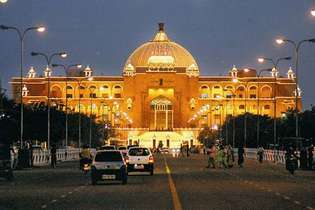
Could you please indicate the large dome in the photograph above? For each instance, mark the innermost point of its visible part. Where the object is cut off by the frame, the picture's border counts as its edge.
(161, 54)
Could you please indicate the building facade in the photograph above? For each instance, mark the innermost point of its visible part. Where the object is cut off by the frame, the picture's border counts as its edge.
(160, 96)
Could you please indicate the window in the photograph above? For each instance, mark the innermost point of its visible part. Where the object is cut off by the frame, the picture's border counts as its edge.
(105, 95)
(204, 95)
(267, 107)
(69, 95)
(139, 152)
(241, 107)
(117, 95)
(252, 96)
(240, 95)
(161, 82)
(216, 87)
(92, 95)
(108, 156)
(81, 96)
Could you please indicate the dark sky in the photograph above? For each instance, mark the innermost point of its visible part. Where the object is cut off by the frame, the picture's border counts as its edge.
(218, 33)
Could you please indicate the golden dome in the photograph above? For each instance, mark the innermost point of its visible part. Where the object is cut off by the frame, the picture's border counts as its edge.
(161, 54)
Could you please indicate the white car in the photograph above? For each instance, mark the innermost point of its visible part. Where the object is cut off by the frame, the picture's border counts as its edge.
(140, 159)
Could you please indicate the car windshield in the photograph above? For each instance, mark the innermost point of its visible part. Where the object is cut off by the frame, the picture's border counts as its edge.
(108, 147)
(108, 156)
(139, 152)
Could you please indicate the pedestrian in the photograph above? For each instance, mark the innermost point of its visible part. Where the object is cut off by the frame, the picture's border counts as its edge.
(212, 155)
(260, 154)
(221, 157)
(240, 153)
(310, 156)
(187, 150)
(53, 156)
(230, 156)
(303, 158)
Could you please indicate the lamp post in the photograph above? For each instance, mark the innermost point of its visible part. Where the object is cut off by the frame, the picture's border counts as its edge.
(91, 94)
(21, 35)
(296, 55)
(66, 69)
(233, 104)
(258, 109)
(48, 59)
(275, 67)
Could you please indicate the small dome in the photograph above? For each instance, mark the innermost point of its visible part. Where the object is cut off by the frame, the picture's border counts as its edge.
(161, 53)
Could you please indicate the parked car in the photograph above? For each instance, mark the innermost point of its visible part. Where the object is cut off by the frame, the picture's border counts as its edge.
(123, 150)
(108, 165)
(108, 147)
(140, 159)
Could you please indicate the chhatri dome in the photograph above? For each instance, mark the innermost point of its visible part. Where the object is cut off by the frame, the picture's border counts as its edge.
(162, 55)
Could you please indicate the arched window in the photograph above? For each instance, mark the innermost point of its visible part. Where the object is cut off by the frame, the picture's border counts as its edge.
(216, 91)
(204, 91)
(252, 92)
(240, 92)
(105, 91)
(92, 91)
(69, 91)
(117, 91)
(55, 92)
(265, 92)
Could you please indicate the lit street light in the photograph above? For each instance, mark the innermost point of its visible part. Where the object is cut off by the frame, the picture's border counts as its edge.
(258, 108)
(275, 68)
(296, 55)
(21, 35)
(3, 1)
(48, 59)
(66, 69)
(312, 12)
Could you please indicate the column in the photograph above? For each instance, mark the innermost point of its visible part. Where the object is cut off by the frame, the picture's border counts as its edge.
(166, 119)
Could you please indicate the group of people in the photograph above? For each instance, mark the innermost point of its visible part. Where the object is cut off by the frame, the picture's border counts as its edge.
(222, 156)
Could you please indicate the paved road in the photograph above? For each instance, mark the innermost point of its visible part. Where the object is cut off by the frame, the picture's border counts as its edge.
(178, 183)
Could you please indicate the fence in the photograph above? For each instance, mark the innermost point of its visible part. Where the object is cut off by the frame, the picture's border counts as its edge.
(42, 157)
(270, 155)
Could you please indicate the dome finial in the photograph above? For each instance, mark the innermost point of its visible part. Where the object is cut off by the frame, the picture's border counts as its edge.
(161, 26)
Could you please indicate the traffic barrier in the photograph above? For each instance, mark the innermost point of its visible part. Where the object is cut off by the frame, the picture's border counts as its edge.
(42, 157)
(277, 156)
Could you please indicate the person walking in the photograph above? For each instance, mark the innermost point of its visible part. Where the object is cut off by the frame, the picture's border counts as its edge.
(240, 153)
(212, 155)
(53, 156)
(221, 157)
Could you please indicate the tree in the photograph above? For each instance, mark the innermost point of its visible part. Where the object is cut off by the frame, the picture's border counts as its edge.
(207, 136)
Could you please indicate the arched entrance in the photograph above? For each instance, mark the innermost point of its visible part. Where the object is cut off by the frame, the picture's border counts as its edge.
(161, 114)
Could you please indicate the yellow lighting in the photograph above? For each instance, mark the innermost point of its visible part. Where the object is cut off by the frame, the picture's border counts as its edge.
(3, 1)
(235, 80)
(280, 41)
(158, 59)
(313, 12)
(261, 60)
(246, 70)
(79, 66)
(90, 78)
(41, 28)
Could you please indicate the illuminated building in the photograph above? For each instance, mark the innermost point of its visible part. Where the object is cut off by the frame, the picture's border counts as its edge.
(161, 95)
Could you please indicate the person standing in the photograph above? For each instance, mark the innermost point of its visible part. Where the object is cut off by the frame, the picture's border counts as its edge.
(240, 153)
(53, 156)
(230, 156)
(212, 155)
(303, 158)
(260, 154)
(310, 156)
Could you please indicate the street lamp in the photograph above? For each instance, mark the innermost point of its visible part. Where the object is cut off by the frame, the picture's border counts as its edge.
(48, 59)
(312, 12)
(233, 104)
(275, 67)
(258, 109)
(3, 1)
(91, 89)
(21, 35)
(66, 69)
(296, 55)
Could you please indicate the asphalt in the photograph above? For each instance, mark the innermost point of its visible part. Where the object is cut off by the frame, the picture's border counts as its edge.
(178, 183)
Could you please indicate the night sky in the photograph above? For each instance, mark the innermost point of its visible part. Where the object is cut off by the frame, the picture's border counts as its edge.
(218, 33)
